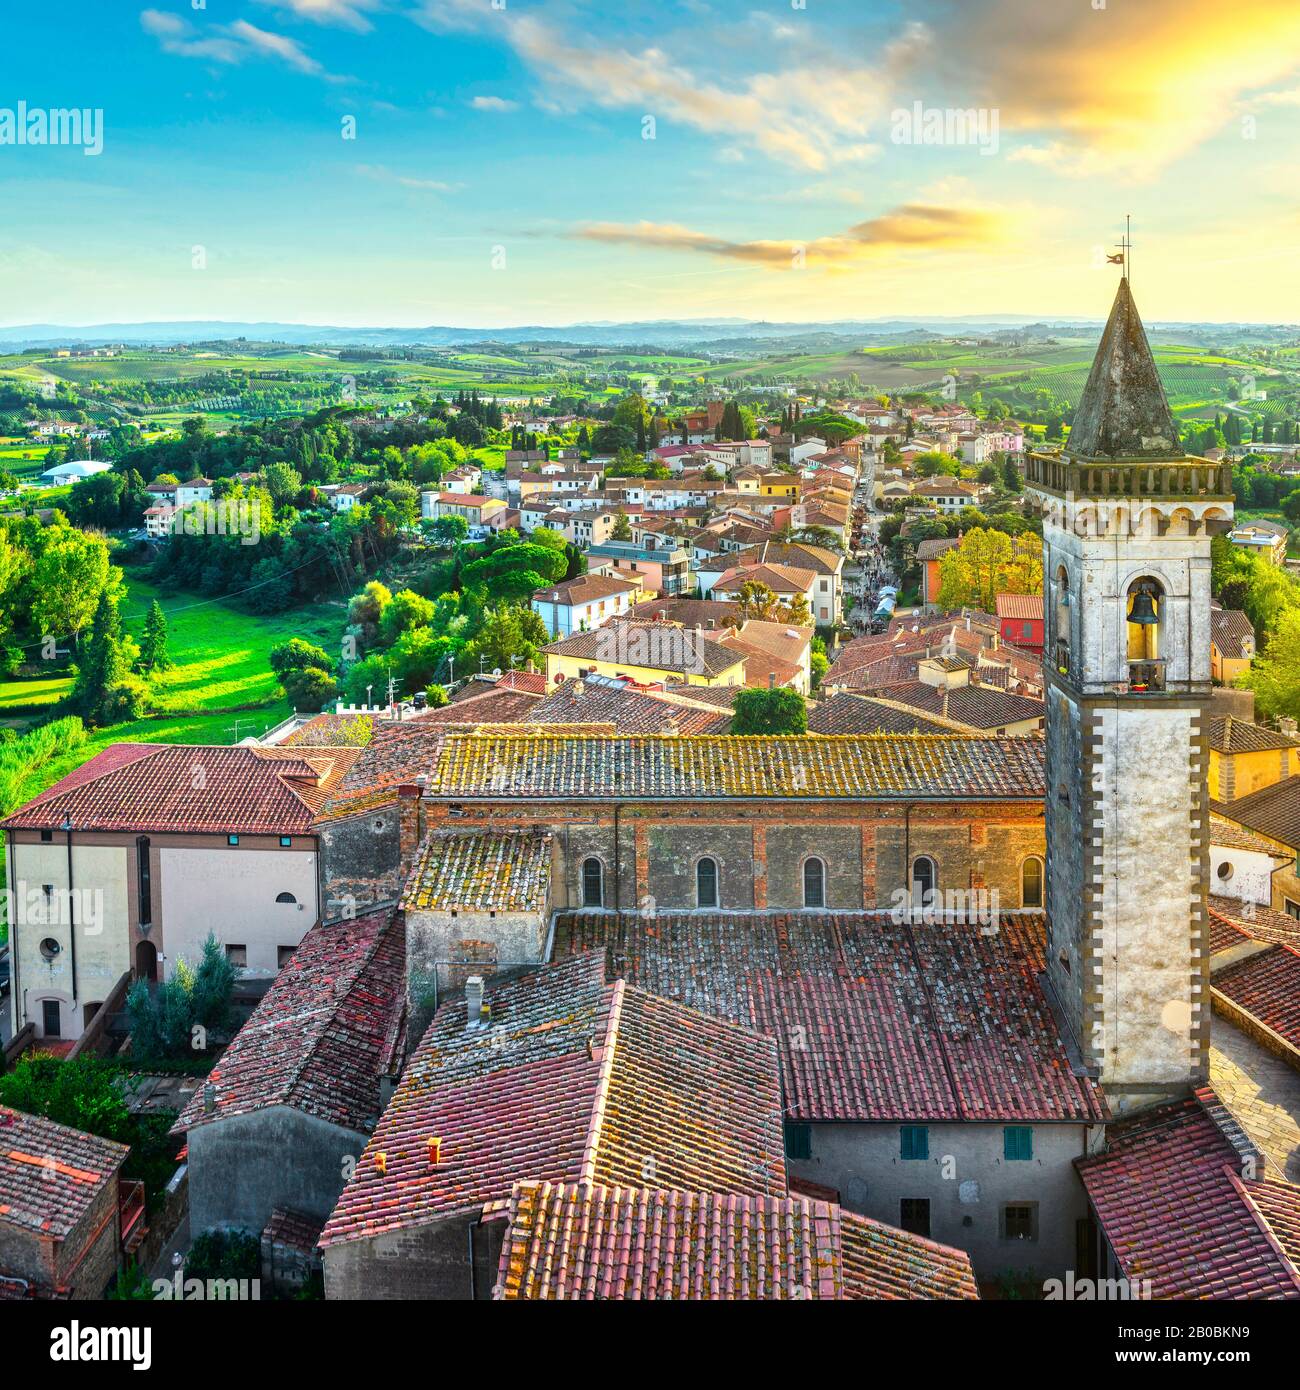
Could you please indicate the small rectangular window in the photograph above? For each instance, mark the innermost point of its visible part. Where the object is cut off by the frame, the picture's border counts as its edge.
(232, 839)
(237, 955)
(1020, 1221)
(914, 1215)
(1292, 908)
(283, 955)
(914, 1141)
(46, 836)
(798, 1141)
(286, 841)
(1017, 1143)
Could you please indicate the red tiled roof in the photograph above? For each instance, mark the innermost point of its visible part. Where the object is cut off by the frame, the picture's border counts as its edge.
(1020, 607)
(324, 1032)
(874, 1020)
(587, 1242)
(1231, 921)
(1266, 986)
(1175, 1209)
(571, 1080)
(51, 1175)
(191, 788)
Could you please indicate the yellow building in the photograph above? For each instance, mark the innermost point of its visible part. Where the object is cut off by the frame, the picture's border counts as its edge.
(1245, 758)
(1232, 644)
(647, 652)
(779, 485)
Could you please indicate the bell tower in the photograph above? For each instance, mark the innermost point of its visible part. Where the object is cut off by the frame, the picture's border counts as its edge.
(1127, 523)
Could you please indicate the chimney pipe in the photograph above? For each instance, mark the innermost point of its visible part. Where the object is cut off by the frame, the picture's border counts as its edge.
(473, 1001)
(209, 1098)
(771, 680)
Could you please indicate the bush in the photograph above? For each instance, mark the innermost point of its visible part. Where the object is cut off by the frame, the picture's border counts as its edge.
(85, 1093)
(220, 1254)
(770, 712)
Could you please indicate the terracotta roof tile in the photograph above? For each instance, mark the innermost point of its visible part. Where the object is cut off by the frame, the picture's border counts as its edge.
(1266, 986)
(1170, 1198)
(592, 1241)
(571, 1080)
(323, 1034)
(707, 767)
(480, 871)
(51, 1175)
(874, 1019)
(194, 789)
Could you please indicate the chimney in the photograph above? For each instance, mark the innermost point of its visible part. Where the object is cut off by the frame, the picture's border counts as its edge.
(473, 1001)
(209, 1098)
(1286, 725)
(435, 1152)
(771, 680)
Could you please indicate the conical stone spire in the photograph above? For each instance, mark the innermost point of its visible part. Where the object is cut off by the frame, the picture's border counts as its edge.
(1123, 412)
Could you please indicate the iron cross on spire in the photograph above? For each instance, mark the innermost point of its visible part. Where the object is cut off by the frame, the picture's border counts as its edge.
(1125, 248)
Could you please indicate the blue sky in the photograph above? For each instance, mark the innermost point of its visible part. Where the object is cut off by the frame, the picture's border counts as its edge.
(499, 173)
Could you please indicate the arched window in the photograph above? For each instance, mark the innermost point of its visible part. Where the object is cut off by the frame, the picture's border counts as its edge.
(593, 883)
(924, 875)
(706, 883)
(1031, 882)
(285, 898)
(814, 883)
(1144, 611)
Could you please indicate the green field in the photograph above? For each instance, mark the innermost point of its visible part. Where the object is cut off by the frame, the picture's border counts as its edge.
(221, 673)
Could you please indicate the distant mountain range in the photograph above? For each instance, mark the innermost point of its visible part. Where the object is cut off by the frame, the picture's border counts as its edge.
(657, 332)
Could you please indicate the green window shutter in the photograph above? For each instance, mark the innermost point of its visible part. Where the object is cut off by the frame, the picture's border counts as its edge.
(914, 1141)
(798, 1141)
(1017, 1143)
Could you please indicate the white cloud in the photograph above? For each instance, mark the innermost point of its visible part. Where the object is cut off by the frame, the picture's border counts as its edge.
(230, 43)
(381, 173)
(493, 104)
(348, 14)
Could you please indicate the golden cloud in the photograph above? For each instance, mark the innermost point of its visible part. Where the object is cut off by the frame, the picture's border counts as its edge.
(903, 228)
(1131, 85)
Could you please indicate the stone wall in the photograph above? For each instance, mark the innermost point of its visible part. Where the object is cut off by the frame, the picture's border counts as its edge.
(242, 1167)
(427, 1262)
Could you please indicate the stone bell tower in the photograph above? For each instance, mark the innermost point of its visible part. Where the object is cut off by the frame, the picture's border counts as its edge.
(1127, 523)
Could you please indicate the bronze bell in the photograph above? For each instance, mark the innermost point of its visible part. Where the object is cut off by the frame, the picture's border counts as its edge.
(1143, 609)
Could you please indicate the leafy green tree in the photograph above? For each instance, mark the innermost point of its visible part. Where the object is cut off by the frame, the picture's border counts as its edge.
(448, 531)
(516, 571)
(82, 1092)
(622, 529)
(406, 610)
(770, 712)
(296, 655)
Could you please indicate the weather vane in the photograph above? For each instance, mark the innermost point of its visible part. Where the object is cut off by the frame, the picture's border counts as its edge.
(1125, 248)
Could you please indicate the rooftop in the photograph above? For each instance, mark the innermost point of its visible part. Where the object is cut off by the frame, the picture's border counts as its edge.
(191, 789)
(324, 1033)
(874, 1019)
(480, 871)
(51, 1175)
(1175, 1209)
(571, 1241)
(571, 1080)
(652, 646)
(1273, 811)
(540, 764)
(1123, 412)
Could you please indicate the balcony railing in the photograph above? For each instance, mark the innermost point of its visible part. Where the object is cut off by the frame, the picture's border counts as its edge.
(130, 1214)
(1146, 677)
(1177, 478)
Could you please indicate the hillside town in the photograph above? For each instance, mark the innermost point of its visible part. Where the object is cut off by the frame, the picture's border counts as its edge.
(876, 883)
